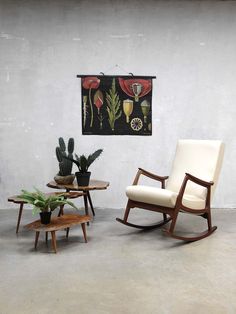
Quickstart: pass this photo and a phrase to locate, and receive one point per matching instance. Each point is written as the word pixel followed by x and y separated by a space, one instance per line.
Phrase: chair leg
pixel 209 223
pixel 127 211
pixel 173 222
pixel 148 227
pixel 199 236
pixel 209 220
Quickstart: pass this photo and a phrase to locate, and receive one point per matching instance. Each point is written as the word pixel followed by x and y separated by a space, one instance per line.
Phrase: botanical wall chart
pixel 116 105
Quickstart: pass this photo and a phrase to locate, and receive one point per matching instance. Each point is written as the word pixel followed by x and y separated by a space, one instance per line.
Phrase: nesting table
pixel 17 200
pixel 93 185
pixel 58 223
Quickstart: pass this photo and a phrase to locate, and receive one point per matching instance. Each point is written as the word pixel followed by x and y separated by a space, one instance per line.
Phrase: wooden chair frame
pixel 171 214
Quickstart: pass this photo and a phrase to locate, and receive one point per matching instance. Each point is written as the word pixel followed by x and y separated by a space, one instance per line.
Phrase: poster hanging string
pixel 127 74
pixel 116 66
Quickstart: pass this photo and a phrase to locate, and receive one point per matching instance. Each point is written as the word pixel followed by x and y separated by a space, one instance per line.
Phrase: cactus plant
pixel 65 165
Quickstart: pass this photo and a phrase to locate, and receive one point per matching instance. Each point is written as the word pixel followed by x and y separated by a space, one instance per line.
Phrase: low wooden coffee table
pixel 58 223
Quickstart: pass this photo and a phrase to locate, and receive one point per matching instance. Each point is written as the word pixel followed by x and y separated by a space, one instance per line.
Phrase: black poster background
pixel 121 126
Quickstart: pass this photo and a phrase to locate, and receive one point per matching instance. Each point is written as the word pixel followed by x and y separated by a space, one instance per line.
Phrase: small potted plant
pixel 83 163
pixel 64 175
pixel 44 204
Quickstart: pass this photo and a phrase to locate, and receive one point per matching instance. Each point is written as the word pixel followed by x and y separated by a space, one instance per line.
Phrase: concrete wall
pixel 189 45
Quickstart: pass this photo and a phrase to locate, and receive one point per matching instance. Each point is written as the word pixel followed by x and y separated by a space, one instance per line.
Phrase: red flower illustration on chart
pixel 136 87
pixel 90 82
pixel 98 100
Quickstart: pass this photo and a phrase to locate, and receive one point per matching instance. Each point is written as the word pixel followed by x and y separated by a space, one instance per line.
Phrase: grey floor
pixel 120 269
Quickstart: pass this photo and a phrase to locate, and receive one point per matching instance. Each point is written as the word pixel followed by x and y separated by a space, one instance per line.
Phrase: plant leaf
pixel 83 164
pixel 94 156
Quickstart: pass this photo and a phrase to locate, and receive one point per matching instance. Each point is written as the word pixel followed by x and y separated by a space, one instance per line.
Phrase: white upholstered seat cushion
pixel 161 197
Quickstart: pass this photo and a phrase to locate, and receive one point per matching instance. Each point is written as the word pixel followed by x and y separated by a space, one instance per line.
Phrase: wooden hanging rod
pixel 123 76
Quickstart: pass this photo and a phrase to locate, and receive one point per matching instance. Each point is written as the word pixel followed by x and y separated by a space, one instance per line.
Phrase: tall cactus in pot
pixel 65 165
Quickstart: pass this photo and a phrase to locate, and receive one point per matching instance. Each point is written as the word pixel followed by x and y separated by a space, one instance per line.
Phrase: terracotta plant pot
pixel 64 179
pixel 83 178
pixel 45 217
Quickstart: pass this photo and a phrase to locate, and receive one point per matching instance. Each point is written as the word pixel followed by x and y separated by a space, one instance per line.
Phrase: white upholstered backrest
pixel 201 158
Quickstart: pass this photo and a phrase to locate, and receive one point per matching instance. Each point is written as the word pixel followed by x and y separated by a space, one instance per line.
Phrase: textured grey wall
pixel 189 45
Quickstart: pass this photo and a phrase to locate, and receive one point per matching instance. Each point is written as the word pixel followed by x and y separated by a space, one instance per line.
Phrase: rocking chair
pixel 189 187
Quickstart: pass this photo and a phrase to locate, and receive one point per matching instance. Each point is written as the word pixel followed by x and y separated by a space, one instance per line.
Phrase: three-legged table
pixel 93 185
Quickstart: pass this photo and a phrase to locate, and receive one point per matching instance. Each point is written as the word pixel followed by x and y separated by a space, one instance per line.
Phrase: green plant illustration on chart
pixel 90 83
pixel 100 118
pixel 85 110
pixel 113 105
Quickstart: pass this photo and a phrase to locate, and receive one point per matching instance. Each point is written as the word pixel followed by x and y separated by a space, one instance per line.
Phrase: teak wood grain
pixel 93 185
pixel 17 200
pixel 58 223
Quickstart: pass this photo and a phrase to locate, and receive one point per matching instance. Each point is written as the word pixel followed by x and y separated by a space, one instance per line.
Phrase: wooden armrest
pixel 198 181
pixel 150 175
pixel 206 184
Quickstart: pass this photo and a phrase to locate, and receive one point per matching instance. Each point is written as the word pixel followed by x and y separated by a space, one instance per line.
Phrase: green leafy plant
pixel 113 105
pixel 65 164
pixel 44 203
pixel 83 163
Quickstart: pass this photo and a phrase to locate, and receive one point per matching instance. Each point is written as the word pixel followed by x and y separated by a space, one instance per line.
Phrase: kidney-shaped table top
pixel 93 185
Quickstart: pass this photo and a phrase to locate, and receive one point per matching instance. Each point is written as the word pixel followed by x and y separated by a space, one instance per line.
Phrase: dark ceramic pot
pixel 45 217
pixel 83 178
pixel 64 179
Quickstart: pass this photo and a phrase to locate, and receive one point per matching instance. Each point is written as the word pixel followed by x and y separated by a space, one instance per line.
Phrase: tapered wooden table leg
pixel 84 231
pixel 36 239
pixel 54 243
pixel 61 211
pixel 19 217
pixel 90 203
pixel 67 232
pixel 94 185
pixel 86 206
pixel 46 237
